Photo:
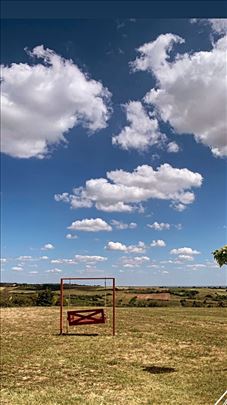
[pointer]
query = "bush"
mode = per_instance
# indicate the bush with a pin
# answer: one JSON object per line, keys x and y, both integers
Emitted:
{"x": 183, "y": 303}
{"x": 45, "y": 298}
{"x": 6, "y": 298}
{"x": 132, "y": 301}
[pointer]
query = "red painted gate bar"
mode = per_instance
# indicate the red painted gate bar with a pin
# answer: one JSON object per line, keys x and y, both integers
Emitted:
{"x": 86, "y": 316}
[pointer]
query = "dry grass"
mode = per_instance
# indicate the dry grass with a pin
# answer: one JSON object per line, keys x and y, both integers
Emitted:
{"x": 159, "y": 356}
{"x": 154, "y": 296}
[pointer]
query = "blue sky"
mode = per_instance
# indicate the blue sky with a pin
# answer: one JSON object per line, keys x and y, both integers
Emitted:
{"x": 114, "y": 132}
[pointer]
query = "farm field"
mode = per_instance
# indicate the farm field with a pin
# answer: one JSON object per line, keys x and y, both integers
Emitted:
{"x": 79, "y": 295}
{"x": 172, "y": 355}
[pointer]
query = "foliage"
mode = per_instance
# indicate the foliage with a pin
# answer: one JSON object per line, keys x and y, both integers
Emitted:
{"x": 5, "y": 298}
{"x": 45, "y": 298}
{"x": 44, "y": 295}
{"x": 220, "y": 255}
{"x": 184, "y": 293}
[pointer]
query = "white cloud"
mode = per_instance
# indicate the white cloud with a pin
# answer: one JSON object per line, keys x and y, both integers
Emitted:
{"x": 159, "y": 226}
{"x": 90, "y": 225}
{"x": 191, "y": 91}
{"x": 17, "y": 268}
{"x": 70, "y": 236}
{"x": 63, "y": 261}
{"x": 57, "y": 261}
{"x": 158, "y": 243}
{"x": 24, "y": 258}
{"x": 218, "y": 25}
{"x": 89, "y": 259}
{"x": 124, "y": 191}
{"x": 142, "y": 131}
{"x": 41, "y": 102}
{"x": 167, "y": 261}
{"x": 196, "y": 266}
{"x": 186, "y": 257}
{"x": 172, "y": 147}
{"x": 54, "y": 271}
{"x": 44, "y": 257}
{"x": 3, "y": 260}
{"x": 130, "y": 262}
{"x": 178, "y": 206}
{"x": 118, "y": 246}
{"x": 33, "y": 272}
{"x": 121, "y": 225}
{"x": 184, "y": 251}
{"x": 47, "y": 246}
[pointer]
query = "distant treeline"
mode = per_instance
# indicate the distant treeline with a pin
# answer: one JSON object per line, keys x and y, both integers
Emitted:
{"x": 12, "y": 294}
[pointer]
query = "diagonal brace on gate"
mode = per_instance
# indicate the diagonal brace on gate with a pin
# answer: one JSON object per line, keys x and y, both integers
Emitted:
{"x": 86, "y": 316}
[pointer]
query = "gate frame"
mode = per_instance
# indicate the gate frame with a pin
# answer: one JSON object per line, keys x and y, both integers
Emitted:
{"x": 88, "y": 278}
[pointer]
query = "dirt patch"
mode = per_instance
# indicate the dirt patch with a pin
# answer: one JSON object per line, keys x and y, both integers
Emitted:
{"x": 155, "y": 296}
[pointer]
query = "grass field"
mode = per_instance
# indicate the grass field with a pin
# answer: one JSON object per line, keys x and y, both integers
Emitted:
{"x": 159, "y": 356}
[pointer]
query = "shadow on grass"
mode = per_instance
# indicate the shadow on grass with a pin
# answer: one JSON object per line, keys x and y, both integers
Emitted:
{"x": 79, "y": 334}
{"x": 159, "y": 370}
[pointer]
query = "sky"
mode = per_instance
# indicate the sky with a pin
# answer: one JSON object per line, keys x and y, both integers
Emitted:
{"x": 113, "y": 150}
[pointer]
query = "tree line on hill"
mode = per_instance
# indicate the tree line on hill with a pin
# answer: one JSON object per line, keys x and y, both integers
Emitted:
{"x": 43, "y": 298}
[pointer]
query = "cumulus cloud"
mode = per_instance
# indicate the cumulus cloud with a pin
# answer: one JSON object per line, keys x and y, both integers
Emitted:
{"x": 47, "y": 246}
{"x": 54, "y": 271}
{"x": 178, "y": 206}
{"x": 158, "y": 243}
{"x": 3, "y": 260}
{"x": 186, "y": 257}
{"x": 153, "y": 266}
{"x": 184, "y": 251}
{"x": 90, "y": 225}
{"x": 172, "y": 147}
{"x": 218, "y": 25}
{"x": 44, "y": 257}
{"x": 80, "y": 259}
{"x": 89, "y": 259}
{"x": 42, "y": 102}
{"x": 24, "y": 258}
{"x": 191, "y": 91}
{"x": 17, "y": 268}
{"x": 70, "y": 236}
{"x": 118, "y": 246}
{"x": 159, "y": 226}
{"x": 142, "y": 131}
{"x": 124, "y": 191}
{"x": 130, "y": 262}
{"x": 57, "y": 261}
{"x": 121, "y": 225}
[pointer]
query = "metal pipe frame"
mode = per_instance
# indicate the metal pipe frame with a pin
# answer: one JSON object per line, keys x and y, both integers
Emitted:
{"x": 87, "y": 278}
